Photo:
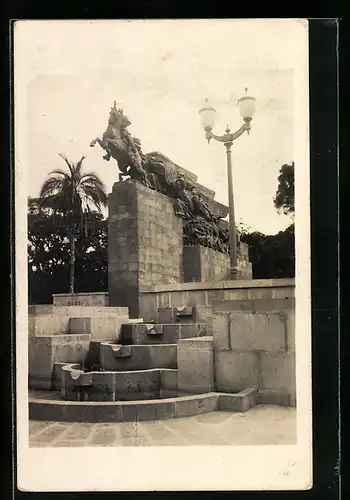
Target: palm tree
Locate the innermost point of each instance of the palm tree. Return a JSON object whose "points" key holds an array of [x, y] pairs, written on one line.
{"points": [[71, 194]]}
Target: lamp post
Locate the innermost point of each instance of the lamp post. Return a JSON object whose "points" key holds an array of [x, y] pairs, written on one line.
{"points": [[207, 114]]}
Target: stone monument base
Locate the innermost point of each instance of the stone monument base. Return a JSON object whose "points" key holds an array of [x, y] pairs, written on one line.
{"points": [[144, 242]]}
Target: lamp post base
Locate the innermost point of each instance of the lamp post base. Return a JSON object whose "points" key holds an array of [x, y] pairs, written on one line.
{"points": [[234, 274]]}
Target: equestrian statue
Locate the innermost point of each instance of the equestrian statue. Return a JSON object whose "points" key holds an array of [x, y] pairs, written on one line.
{"points": [[158, 172]]}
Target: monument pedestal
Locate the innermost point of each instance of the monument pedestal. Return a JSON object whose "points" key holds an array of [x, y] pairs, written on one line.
{"points": [[145, 243]]}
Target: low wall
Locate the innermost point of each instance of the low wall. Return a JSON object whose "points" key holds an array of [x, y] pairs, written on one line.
{"points": [[80, 299], [244, 294], [99, 321]]}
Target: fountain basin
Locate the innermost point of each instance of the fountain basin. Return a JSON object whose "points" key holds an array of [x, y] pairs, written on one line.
{"points": [[77, 385], [44, 405]]}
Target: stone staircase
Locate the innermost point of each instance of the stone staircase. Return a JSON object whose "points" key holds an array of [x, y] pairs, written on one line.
{"points": [[98, 356], [103, 338]]}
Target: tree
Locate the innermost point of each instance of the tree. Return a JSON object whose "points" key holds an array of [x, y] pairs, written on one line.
{"points": [[272, 256], [68, 197], [284, 198], [49, 254]]}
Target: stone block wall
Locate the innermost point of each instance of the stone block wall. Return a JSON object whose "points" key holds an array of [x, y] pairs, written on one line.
{"points": [[249, 295], [205, 264], [100, 321], [256, 349], [45, 352], [99, 327], [144, 243], [160, 235], [195, 364]]}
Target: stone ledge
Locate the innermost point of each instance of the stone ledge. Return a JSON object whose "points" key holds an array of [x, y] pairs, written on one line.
{"points": [[253, 305], [86, 298], [79, 310], [241, 401], [126, 411], [144, 410], [219, 285], [162, 333]]}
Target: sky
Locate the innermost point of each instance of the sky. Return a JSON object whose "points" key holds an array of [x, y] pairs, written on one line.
{"points": [[159, 72]]}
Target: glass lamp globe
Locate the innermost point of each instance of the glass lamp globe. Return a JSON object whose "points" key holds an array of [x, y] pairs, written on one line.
{"points": [[246, 105], [207, 116]]}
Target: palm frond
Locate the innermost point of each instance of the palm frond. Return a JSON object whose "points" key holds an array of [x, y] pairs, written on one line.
{"points": [[92, 176], [96, 197], [50, 187], [68, 163], [79, 165], [89, 184], [58, 171]]}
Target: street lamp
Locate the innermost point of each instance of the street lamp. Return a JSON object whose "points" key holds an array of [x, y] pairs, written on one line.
{"points": [[207, 114]]}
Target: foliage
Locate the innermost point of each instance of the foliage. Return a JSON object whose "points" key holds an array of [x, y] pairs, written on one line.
{"points": [[49, 254], [284, 198], [272, 256]]}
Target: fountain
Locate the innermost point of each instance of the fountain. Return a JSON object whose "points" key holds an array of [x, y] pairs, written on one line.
{"points": [[173, 336]]}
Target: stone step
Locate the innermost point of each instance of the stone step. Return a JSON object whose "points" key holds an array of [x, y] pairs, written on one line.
{"points": [[99, 327], [115, 357], [150, 333]]}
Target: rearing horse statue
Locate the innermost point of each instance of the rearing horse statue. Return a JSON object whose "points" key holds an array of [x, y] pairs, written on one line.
{"points": [[120, 145]]}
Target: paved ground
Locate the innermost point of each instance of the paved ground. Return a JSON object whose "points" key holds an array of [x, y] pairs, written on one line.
{"points": [[260, 425]]}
